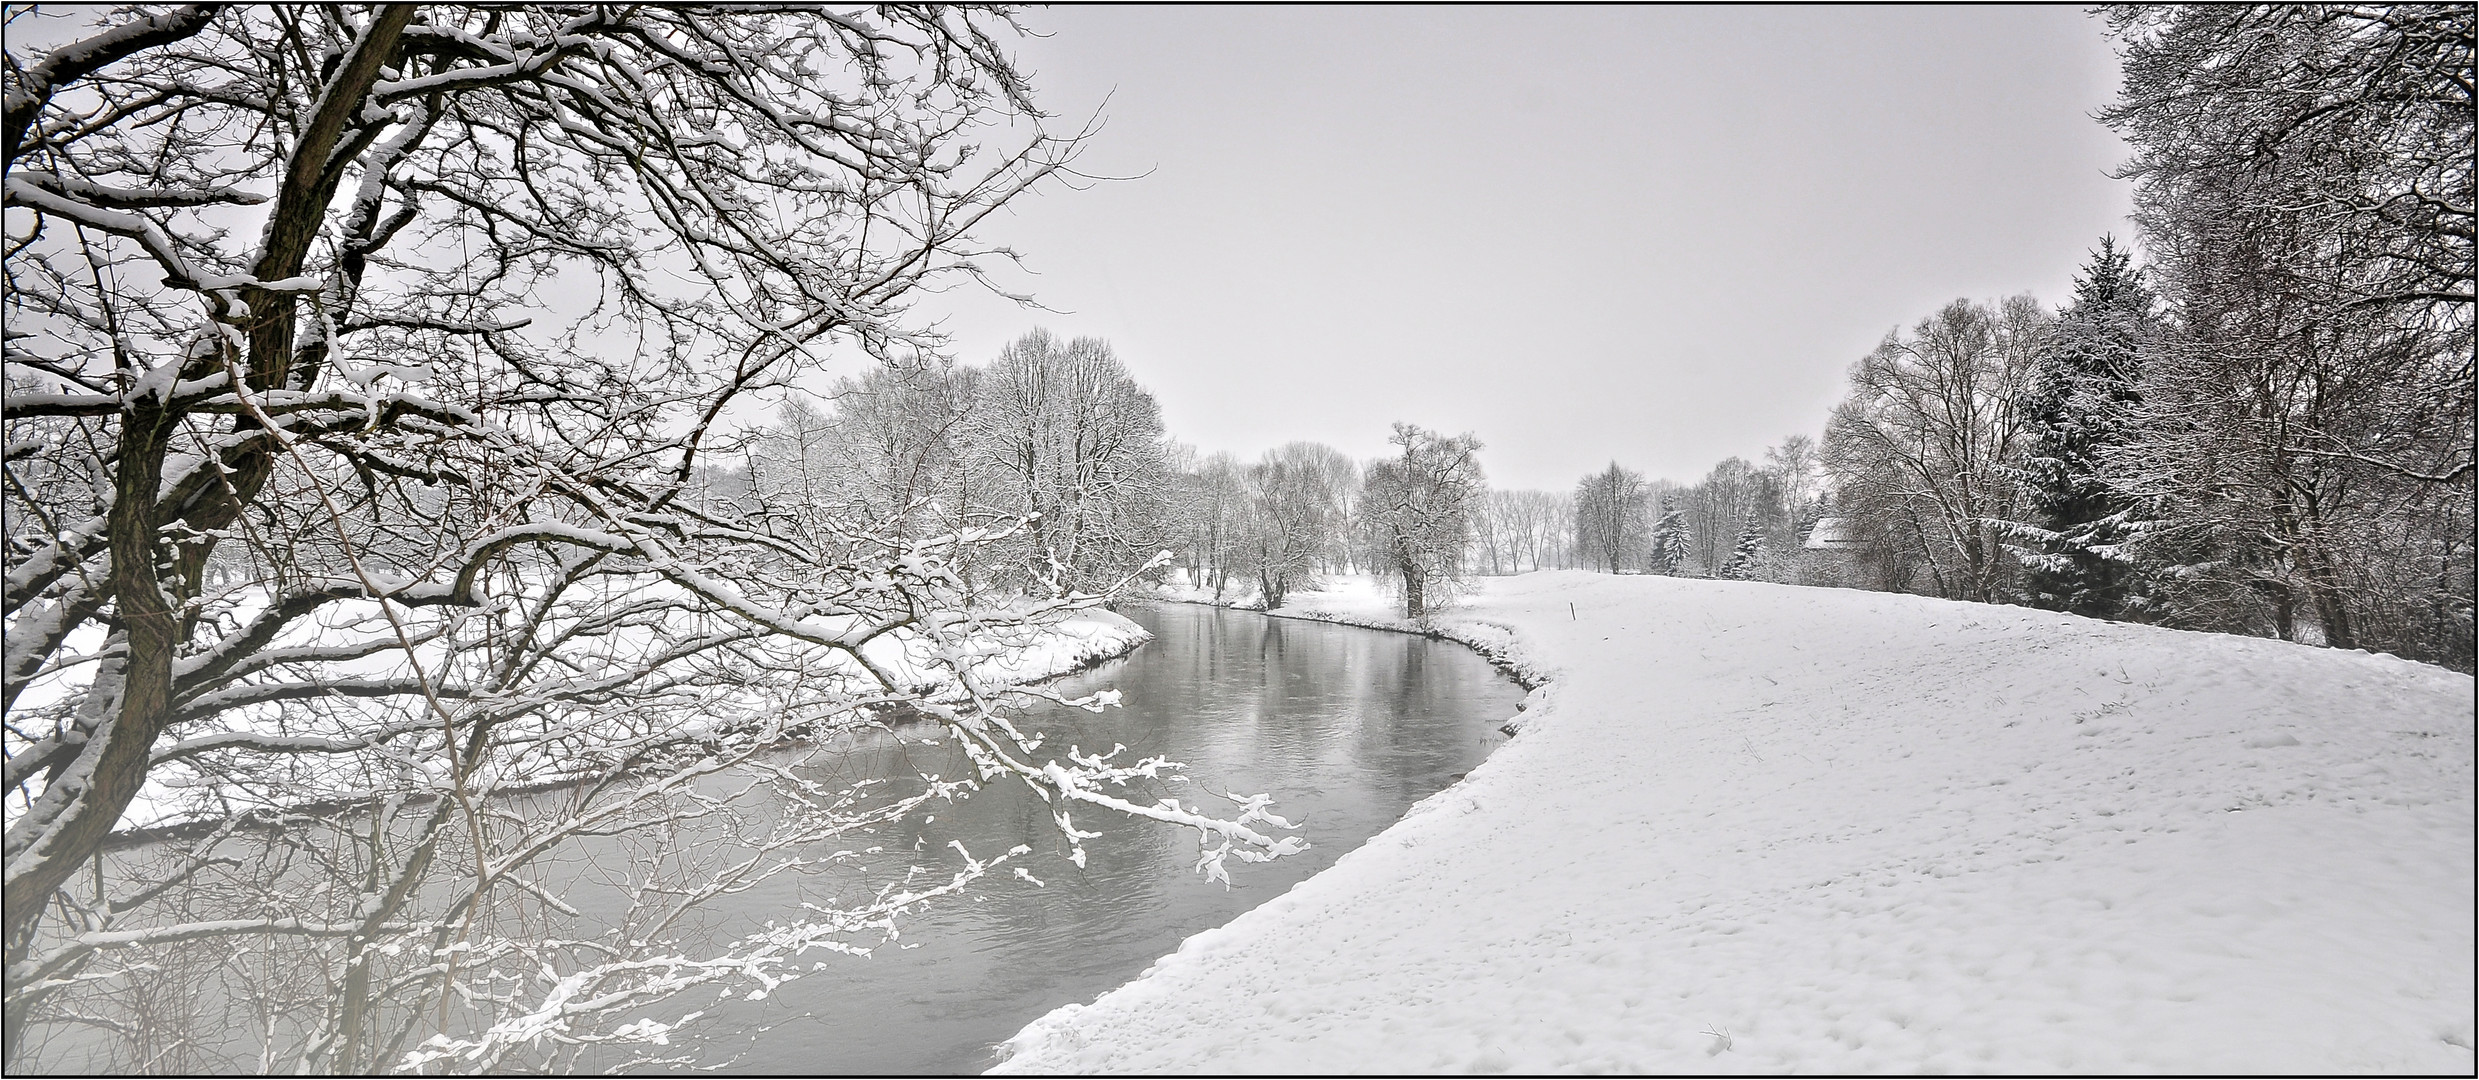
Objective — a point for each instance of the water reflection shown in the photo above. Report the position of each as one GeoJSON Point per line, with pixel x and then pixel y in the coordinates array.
{"type": "Point", "coordinates": [1348, 727]}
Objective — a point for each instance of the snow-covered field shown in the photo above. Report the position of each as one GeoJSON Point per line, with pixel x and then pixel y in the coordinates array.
{"type": "Point", "coordinates": [1759, 828]}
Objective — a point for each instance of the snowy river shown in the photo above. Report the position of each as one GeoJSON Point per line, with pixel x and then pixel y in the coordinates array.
{"type": "Point", "coordinates": [1348, 727]}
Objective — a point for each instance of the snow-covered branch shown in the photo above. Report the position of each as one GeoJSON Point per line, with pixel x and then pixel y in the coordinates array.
{"type": "Point", "coordinates": [379, 576]}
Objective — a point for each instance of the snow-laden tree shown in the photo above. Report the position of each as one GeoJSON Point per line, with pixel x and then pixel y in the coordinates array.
{"type": "Point", "coordinates": [1074, 445]}
{"type": "Point", "coordinates": [366, 367]}
{"type": "Point", "coordinates": [1416, 510]}
{"type": "Point", "coordinates": [1672, 545]}
{"type": "Point", "coordinates": [1297, 516]}
{"type": "Point", "coordinates": [2078, 405]}
{"type": "Point", "coordinates": [1746, 561]}
{"type": "Point", "coordinates": [1211, 502]}
{"type": "Point", "coordinates": [1613, 517]}
{"type": "Point", "coordinates": [1722, 502]}
{"type": "Point", "coordinates": [1923, 447]}
{"type": "Point", "coordinates": [1524, 530]}
{"type": "Point", "coordinates": [1797, 469]}
{"type": "Point", "coordinates": [2304, 184]}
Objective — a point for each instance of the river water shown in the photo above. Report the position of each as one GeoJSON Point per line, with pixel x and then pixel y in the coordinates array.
{"type": "Point", "coordinates": [1347, 727]}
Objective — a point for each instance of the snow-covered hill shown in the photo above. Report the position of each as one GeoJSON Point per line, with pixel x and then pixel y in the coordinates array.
{"type": "Point", "coordinates": [1758, 828]}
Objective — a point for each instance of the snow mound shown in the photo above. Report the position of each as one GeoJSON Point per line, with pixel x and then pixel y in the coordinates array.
{"type": "Point", "coordinates": [1756, 829]}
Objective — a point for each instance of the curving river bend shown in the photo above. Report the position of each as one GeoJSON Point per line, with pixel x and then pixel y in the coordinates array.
{"type": "Point", "coordinates": [1349, 727]}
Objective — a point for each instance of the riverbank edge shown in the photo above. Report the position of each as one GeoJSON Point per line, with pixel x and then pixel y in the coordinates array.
{"type": "Point", "coordinates": [1063, 663]}
{"type": "Point", "coordinates": [1497, 643]}
{"type": "Point", "coordinates": [1209, 1039]}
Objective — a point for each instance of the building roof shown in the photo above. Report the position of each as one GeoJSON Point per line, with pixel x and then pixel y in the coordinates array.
{"type": "Point", "coordinates": [1835, 534]}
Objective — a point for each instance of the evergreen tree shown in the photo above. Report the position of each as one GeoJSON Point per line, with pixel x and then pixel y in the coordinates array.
{"type": "Point", "coordinates": [1671, 542]}
{"type": "Point", "coordinates": [1750, 552]}
{"type": "Point", "coordinates": [2304, 179]}
{"type": "Point", "coordinates": [2077, 406]}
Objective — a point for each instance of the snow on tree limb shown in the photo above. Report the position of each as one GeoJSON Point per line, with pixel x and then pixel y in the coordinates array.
{"type": "Point", "coordinates": [340, 522]}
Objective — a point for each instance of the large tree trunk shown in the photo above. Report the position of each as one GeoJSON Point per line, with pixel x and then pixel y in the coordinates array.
{"type": "Point", "coordinates": [106, 776]}
{"type": "Point", "coordinates": [1415, 605]}
{"type": "Point", "coordinates": [53, 841]}
{"type": "Point", "coordinates": [2284, 621]}
{"type": "Point", "coordinates": [2331, 600]}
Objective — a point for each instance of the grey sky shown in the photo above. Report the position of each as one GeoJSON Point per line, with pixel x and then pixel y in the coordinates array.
{"type": "Point", "coordinates": [1659, 235]}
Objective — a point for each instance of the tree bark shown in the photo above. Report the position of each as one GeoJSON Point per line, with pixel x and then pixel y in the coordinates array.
{"type": "Point", "coordinates": [1415, 607]}
{"type": "Point", "coordinates": [142, 605]}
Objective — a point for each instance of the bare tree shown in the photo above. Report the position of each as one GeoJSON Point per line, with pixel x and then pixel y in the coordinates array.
{"type": "Point", "coordinates": [1418, 508]}
{"type": "Point", "coordinates": [1546, 520]}
{"type": "Point", "coordinates": [897, 436]}
{"type": "Point", "coordinates": [1527, 529]}
{"type": "Point", "coordinates": [1342, 476]}
{"type": "Point", "coordinates": [364, 366]}
{"type": "Point", "coordinates": [1296, 516]}
{"type": "Point", "coordinates": [1613, 517]}
{"type": "Point", "coordinates": [2304, 452]}
{"type": "Point", "coordinates": [1720, 506]}
{"type": "Point", "coordinates": [1492, 540]}
{"type": "Point", "coordinates": [1216, 507]}
{"type": "Point", "coordinates": [1077, 449]}
{"type": "Point", "coordinates": [1796, 466]}
{"type": "Point", "coordinates": [1923, 446]}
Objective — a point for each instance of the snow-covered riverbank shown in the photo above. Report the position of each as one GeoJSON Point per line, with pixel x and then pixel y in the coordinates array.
{"type": "Point", "coordinates": [1072, 642]}
{"type": "Point", "coordinates": [1756, 828]}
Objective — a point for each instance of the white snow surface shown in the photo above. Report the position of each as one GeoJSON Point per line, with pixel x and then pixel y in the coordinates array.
{"type": "Point", "coordinates": [1755, 828]}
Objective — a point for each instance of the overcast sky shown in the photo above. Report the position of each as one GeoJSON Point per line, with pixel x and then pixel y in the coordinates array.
{"type": "Point", "coordinates": [1658, 235]}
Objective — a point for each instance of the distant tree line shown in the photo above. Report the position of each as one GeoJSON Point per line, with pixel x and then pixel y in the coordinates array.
{"type": "Point", "coordinates": [1741, 521]}
{"type": "Point", "coordinates": [1058, 458]}
{"type": "Point", "coordinates": [1052, 443]}
{"type": "Point", "coordinates": [2265, 427]}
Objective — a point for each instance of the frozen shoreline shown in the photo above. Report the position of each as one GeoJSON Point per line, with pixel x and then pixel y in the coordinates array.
{"type": "Point", "coordinates": [1074, 643]}
{"type": "Point", "coordinates": [1495, 643]}
{"type": "Point", "coordinates": [1774, 829]}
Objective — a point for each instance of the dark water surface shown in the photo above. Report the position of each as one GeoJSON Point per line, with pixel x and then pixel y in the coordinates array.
{"type": "Point", "coordinates": [1347, 727]}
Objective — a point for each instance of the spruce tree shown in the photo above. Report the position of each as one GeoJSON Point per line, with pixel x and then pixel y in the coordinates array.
{"type": "Point", "coordinates": [1671, 541]}
{"type": "Point", "coordinates": [1750, 552]}
{"type": "Point", "coordinates": [2080, 398]}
